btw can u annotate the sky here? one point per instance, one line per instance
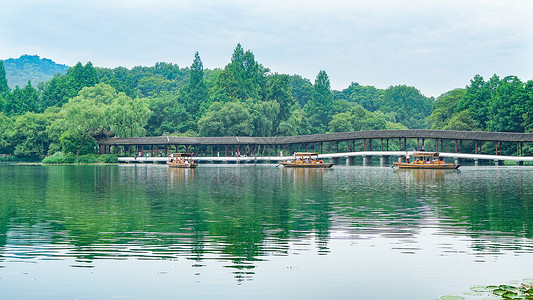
(433, 45)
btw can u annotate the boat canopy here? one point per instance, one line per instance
(181, 155)
(426, 154)
(305, 154)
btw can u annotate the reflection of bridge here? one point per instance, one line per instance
(474, 145)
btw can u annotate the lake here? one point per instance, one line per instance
(261, 232)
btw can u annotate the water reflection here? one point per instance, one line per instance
(242, 215)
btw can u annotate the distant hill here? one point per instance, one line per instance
(31, 68)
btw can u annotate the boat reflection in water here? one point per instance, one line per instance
(180, 176)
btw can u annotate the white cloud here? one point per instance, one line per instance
(432, 45)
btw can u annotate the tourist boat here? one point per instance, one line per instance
(305, 160)
(181, 160)
(424, 160)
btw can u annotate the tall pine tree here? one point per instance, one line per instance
(4, 88)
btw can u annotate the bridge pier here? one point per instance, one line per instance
(367, 160)
(476, 162)
(335, 160)
(457, 160)
(497, 162)
(350, 160)
(519, 163)
(384, 160)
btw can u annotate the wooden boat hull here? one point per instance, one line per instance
(403, 165)
(308, 165)
(186, 166)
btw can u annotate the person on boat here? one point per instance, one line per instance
(407, 156)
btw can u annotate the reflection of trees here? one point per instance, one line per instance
(246, 213)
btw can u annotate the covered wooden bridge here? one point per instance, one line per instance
(370, 140)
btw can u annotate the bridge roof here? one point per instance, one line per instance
(327, 137)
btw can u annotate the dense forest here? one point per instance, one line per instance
(242, 99)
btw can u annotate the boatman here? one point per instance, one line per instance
(407, 156)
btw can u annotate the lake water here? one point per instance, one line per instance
(261, 232)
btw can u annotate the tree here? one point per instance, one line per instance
(301, 89)
(4, 88)
(507, 106)
(250, 75)
(195, 95)
(264, 115)
(409, 105)
(320, 108)
(28, 135)
(127, 117)
(279, 90)
(477, 98)
(21, 101)
(168, 116)
(367, 96)
(297, 124)
(100, 107)
(61, 88)
(462, 121)
(6, 125)
(229, 119)
(445, 108)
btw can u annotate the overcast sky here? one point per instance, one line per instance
(433, 45)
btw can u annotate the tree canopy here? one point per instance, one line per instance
(241, 98)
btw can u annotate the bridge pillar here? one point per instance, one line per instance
(476, 162)
(350, 160)
(367, 160)
(519, 163)
(335, 160)
(497, 162)
(384, 160)
(457, 160)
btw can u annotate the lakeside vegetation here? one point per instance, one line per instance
(243, 99)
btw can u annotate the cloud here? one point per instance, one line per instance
(432, 45)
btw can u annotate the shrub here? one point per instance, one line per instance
(107, 158)
(86, 159)
(60, 158)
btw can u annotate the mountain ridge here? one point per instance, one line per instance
(31, 68)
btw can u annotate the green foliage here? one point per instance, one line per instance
(21, 101)
(60, 158)
(508, 106)
(462, 121)
(320, 108)
(6, 125)
(28, 135)
(63, 87)
(409, 105)
(4, 88)
(107, 159)
(242, 98)
(444, 108)
(368, 97)
(7, 158)
(195, 95)
(168, 116)
(86, 159)
(301, 89)
(515, 290)
(359, 118)
(229, 119)
(279, 90)
(72, 143)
